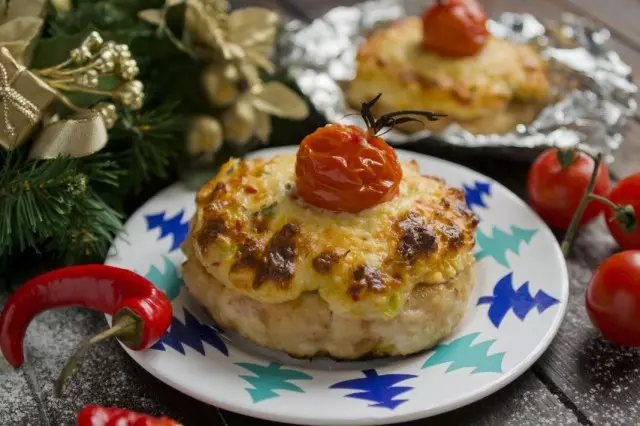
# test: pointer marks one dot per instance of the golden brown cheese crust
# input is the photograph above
(252, 233)
(393, 62)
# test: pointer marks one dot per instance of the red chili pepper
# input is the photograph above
(95, 415)
(141, 312)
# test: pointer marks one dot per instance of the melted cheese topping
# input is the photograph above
(252, 233)
(393, 62)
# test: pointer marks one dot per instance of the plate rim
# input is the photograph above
(459, 402)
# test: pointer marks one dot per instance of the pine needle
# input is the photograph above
(44, 202)
(152, 141)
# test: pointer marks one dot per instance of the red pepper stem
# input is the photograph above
(573, 226)
(124, 327)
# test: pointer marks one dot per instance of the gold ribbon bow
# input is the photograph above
(77, 136)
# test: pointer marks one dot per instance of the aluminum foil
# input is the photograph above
(321, 59)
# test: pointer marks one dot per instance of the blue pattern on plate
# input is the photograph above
(520, 301)
(173, 226)
(192, 334)
(378, 388)
(474, 195)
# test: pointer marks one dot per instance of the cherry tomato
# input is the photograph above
(455, 28)
(626, 192)
(555, 193)
(346, 169)
(613, 298)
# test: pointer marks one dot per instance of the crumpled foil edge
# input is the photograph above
(320, 56)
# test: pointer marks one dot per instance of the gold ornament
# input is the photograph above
(87, 63)
(61, 5)
(271, 99)
(27, 98)
(238, 122)
(201, 20)
(205, 136)
(220, 84)
(237, 45)
(262, 128)
(108, 113)
(277, 99)
(20, 24)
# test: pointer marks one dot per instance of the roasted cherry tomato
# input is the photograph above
(344, 168)
(626, 192)
(455, 28)
(613, 298)
(555, 192)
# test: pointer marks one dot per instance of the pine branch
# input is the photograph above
(92, 226)
(102, 170)
(44, 203)
(147, 145)
(68, 209)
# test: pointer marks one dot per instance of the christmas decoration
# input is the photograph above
(235, 47)
(24, 97)
(28, 94)
(83, 70)
(102, 107)
(20, 24)
(267, 380)
(205, 136)
(520, 301)
(192, 333)
(380, 389)
(462, 353)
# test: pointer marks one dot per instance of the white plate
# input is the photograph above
(514, 312)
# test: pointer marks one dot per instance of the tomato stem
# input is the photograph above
(604, 200)
(566, 157)
(573, 226)
(391, 119)
(624, 215)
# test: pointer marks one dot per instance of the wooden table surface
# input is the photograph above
(580, 380)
